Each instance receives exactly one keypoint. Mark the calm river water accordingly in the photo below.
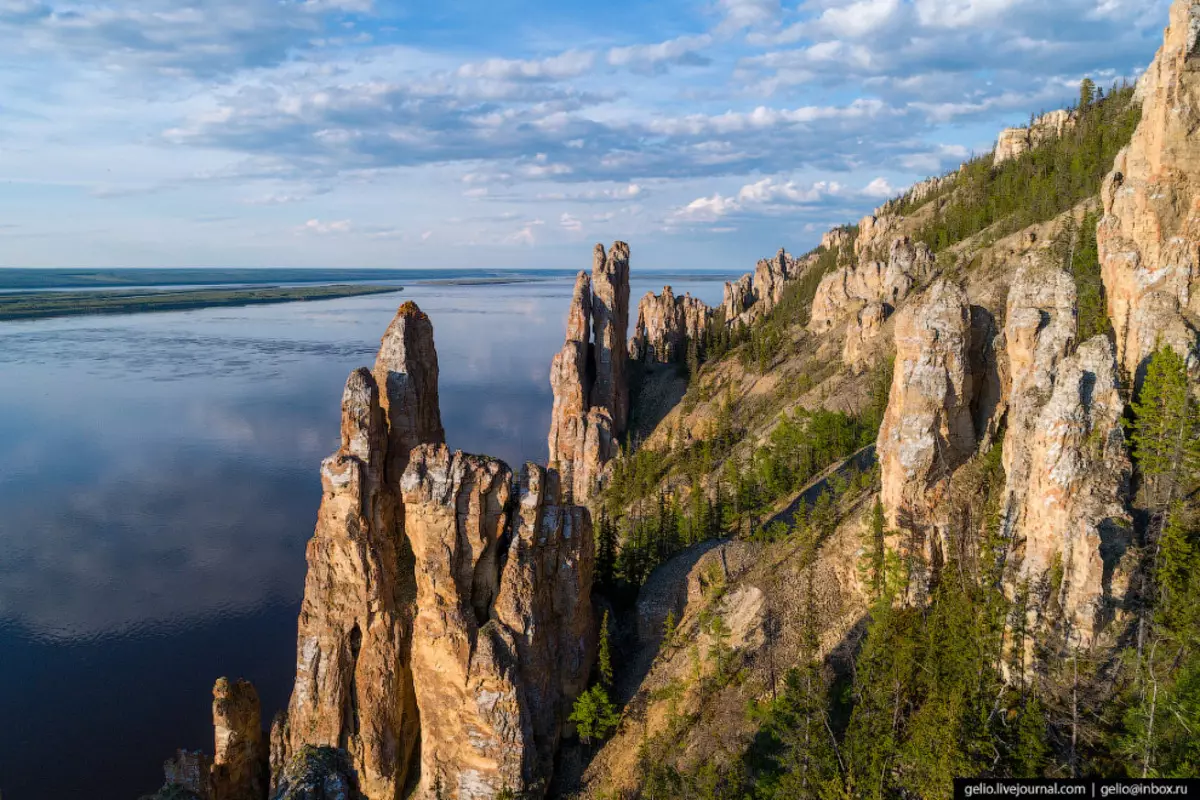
(158, 482)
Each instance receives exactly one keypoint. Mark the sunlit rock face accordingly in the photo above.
(1072, 516)
(929, 429)
(665, 325)
(856, 352)
(353, 689)
(610, 325)
(589, 376)
(851, 286)
(1015, 142)
(1149, 236)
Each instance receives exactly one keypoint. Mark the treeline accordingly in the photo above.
(1041, 183)
(977, 683)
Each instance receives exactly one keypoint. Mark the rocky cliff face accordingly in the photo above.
(929, 428)
(590, 378)
(431, 610)
(1149, 237)
(1015, 142)
(738, 298)
(1072, 515)
(610, 326)
(868, 323)
(238, 770)
(475, 740)
(851, 286)
(353, 688)
(754, 295)
(665, 325)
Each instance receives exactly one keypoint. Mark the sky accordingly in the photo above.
(498, 133)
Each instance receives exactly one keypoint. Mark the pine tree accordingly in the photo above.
(594, 715)
(604, 659)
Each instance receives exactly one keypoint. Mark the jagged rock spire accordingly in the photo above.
(610, 326)
(590, 379)
(1149, 238)
(406, 371)
(353, 688)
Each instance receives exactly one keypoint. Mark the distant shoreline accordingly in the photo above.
(46, 305)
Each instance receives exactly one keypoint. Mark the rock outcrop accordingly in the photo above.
(353, 689)
(545, 604)
(929, 428)
(1149, 237)
(406, 372)
(1015, 142)
(318, 773)
(770, 277)
(866, 328)
(738, 298)
(666, 324)
(755, 294)
(503, 639)
(610, 326)
(851, 286)
(1071, 515)
(476, 738)
(1039, 332)
(239, 766)
(589, 378)
(238, 770)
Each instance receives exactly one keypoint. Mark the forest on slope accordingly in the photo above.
(984, 676)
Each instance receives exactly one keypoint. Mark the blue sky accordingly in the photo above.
(497, 133)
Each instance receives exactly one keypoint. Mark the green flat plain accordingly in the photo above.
(40, 305)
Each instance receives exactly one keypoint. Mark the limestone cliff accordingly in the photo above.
(929, 428)
(1072, 514)
(666, 324)
(738, 297)
(755, 294)
(353, 689)
(856, 352)
(589, 376)
(476, 735)
(869, 280)
(1015, 142)
(238, 770)
(1149, 237)
(610, 326)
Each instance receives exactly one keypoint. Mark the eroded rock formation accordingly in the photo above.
(238, 770)
(239, 767)
(1071, 515)
(476, 735)
(738, 298)
(1149, 237)
(666, 324)
(610, 326)
(851, 286)
(318, 773)
(353, 688)
(929, 428)
(1015, 142)
(866, 328)
(589, 379)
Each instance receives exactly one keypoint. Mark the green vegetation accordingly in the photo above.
(594, 714)
(976, 683)
(39, 305)
(1076, 249)
(1040, 184)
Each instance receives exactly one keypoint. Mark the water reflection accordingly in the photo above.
(158, 481)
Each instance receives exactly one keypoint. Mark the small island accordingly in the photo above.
(41, 305)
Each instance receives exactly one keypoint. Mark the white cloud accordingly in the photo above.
(677, 50)
(570, 64)
(571, 223)
(320, 228)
